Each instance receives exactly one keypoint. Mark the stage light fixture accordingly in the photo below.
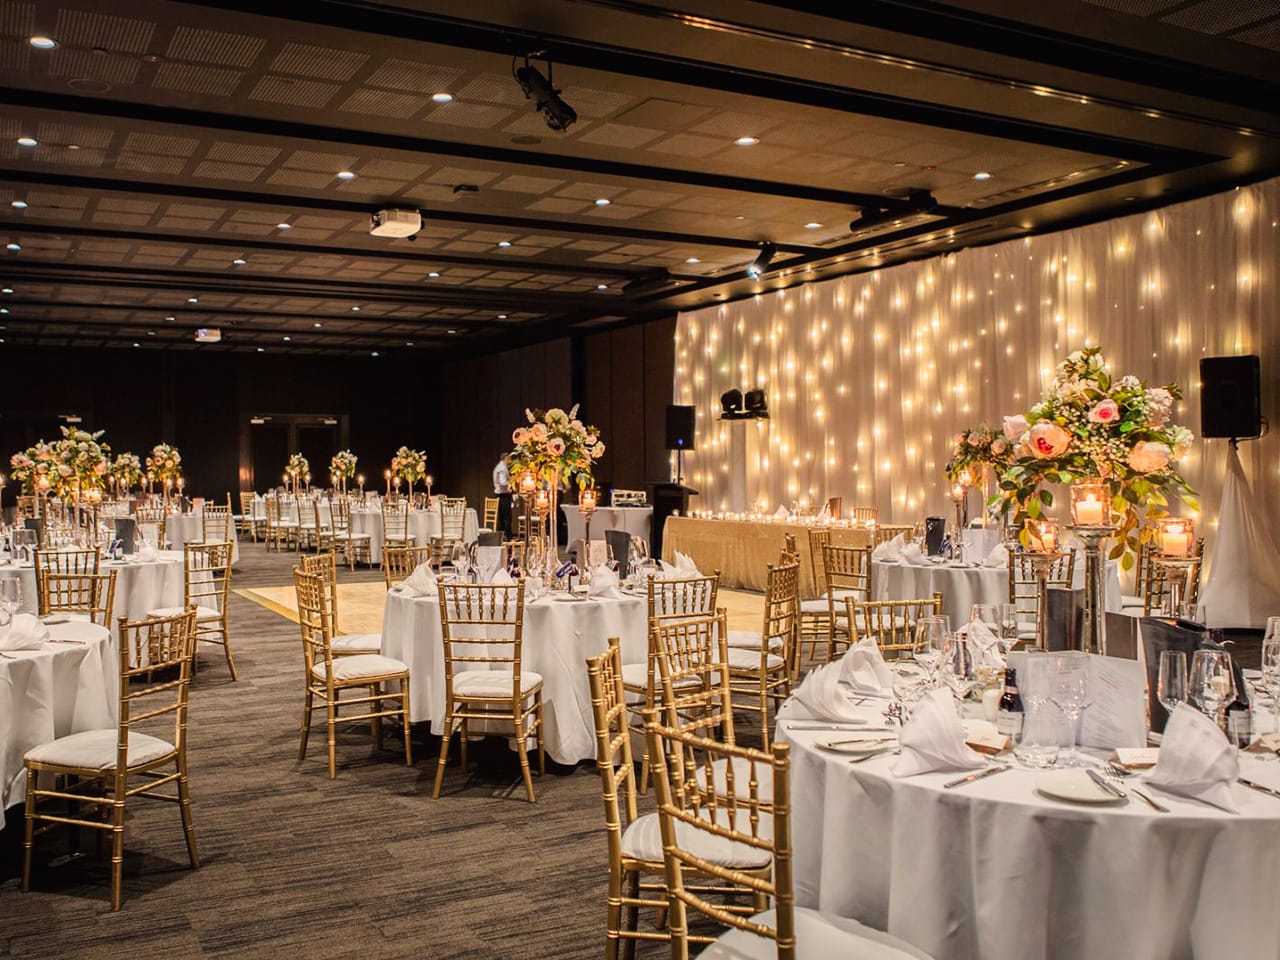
(761, 262)
(756, 404)
(731, 405)
(558, 114)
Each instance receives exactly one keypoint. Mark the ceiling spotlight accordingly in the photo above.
(18, 204)
(193, 299)
(284, 226)
(813, 225)
(346, 175)
(432, 275)
(317, 324)
(262, 350)
(137, 344)
(239, 261)
(747, 141)
(602, 286)
(442, 97)
(42, 43)
(4, 311)
(374, 354)
(170, 319)
(693, 260)
(504, 243)
(558, 114)
(761, 262)
(27, 141)
(453, 331)
(286, 339)
(7, 290)
(603, 202)
(982, 175)
(355, 309)
(15, 247)
(502, 316)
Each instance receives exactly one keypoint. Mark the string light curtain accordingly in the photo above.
(869, 377)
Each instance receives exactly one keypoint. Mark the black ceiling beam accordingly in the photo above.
(361, 16)
(620, 274)
(126, 112)
(189, 191)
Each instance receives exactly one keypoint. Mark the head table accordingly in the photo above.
(69, 685)
(559, 636)
(995, 871)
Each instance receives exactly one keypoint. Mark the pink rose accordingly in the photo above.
(1148, 457)
(1104, 411)
(520, 436)
(998, 447)
(1048, 440)
(555, 446)
(1014, 427)
(538, 432)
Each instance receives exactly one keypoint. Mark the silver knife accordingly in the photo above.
(989, 772)
(1106, 785)
(1259, 787)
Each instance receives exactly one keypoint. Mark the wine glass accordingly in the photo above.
(1271, 675)
(910, 681)
(10, 597)
(1171, 682)
(932, 634)
(1069, 689)
(1008, 625)
(461, 560)
(1037, 742)
(959, 667)
(1213, 682)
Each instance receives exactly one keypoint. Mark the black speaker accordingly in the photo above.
(680, 427)
(1230, 397)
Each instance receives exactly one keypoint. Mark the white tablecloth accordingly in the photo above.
(994, 871)
(962, 587)
(185, 528)
(559, 636)
(423, 524)
(60, 689)
(637, 521)
(140, 586)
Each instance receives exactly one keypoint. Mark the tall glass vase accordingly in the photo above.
(551, 555)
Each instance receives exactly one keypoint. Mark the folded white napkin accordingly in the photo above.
(933, 739)
(685, 564)
(824, 697)
(502, 577)
(863, 669)
(913, 555)
(25, 632)
(488, 563)
(604, 583)
(781, 513)
(146, 552)
(998, 557)
(1196, 760)
(890, 550)
(420, 583)
(982, 639)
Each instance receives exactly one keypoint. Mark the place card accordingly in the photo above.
(1267, 743)
(1136, 758)
(1116, 714)
(982, 736)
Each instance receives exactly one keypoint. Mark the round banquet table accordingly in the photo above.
(637, 521)
(423, 524)
(184, 528)
(963, 586)
(993, 870)
(62, 688)
(141, 585)
(559, 636)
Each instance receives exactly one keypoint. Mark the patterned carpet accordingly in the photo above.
(364, 866)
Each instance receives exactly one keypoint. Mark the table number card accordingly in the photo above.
(1115, 716)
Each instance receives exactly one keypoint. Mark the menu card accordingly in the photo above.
(1115, 715)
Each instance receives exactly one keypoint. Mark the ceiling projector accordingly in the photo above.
(395, 223)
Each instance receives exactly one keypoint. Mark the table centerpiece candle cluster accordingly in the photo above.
(342, 468)
(163, 467)
(408, 465)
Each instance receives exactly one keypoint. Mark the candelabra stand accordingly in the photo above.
(1093, 638)
(1043, 561)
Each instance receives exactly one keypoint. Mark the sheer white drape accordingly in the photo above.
(869, 377)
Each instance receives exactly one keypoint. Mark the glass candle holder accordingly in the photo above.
(587, 500)
(1090, 503)
(1043, 535)
(1175, 535)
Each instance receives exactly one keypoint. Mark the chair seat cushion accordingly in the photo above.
(96, 750)
(818, 936)
(348, 535)
(743, 659)
(361, 665)
(1129, 600)
(493, 684)
(635, 676)
(750, 639)
(357, 643)
(643, 840)
(399, 538)
(202, 612)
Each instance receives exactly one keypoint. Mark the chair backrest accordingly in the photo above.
(692, 656)
(717, 790)
(513, 552)
(866, 514)
(26, 507)
(206, 574)
(847, 570)
(482, 625)
(325, 565)
(1161, 577)
(891, 622)
(246, 502)
(395, 519)
(398, 561)
(490, 513)
(884, 532)
(453, 515)
(789, 549)
(819, 537)
(149, 692)
(315, 620)
(65, 561)
(1024, 588)
(682, 597)
(781, 606)
(613, 745)
(339, 513)
(216, 524)
(91, 593)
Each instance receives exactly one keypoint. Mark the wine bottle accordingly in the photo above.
(1240, 716)
(1009, 712)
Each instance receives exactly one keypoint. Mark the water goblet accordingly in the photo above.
(1271, 676)
(959, 667)
(1212, 682)
(1171, 682)
(931, 638)
(1036, 745)
(1070, 687)
(10, 597)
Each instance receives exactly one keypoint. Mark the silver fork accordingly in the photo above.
(1115, 771)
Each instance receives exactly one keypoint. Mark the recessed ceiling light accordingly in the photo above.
(151, 333)
(18, 204)
(284, 226)
(42, 43)
(27, 141)
(693, 260)
(7, 290)
(504, 243)
(346, 175)
(1, 339)
(15, 247)
(286, 339)
(432, 275)
(502, 316)
(355, 309)
(747, 141)
(408, 343)
(137, 344)
(982, 175)
(603, 201)
(193, 299)
(442, 97)
(317, 324)
(602, 286)
(262, 350)
(813, 225)
(73, 146)
(453, 331)
(374, 354)
(239, 261)
(170, 319)
(4, 311)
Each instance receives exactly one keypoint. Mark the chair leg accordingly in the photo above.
(29, 830)
(542, 747)
(184, 805)
(226, 647)
(523, 750)
(331, 715)
(444, 753)
(404, 714)
(305, 727)
(464, 741)
(613, 925)
(377, 721)
(117, 844)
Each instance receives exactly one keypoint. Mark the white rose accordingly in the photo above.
(1015, 427)
(1148, 457)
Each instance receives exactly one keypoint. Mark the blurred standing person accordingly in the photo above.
(502, 489)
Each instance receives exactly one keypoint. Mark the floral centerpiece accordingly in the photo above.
(127, 469)
(164, 464)
(556, 447)
(79, 461)
(28, 466)
(1091, 425)
(976, 449)
(409, 465)
(343, 465)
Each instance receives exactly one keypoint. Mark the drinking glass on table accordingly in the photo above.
(461, 559)
(1069, 690)
(932, 634)
(10, 597)
(1171, 681)
(1213, 682)
(1270, 682)
(959, 667)
(1037, 742)
(910, 681)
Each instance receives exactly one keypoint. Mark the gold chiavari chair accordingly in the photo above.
(490, 521)
(206, 585)
(668, 598)
(26, 507)
(482, 625)
(110, 767)
(65, 561)
(328, 677)
(513, 552)
(760, 664)
(749, 828)
(815, 612)
(1141, 573)
(281, 527)
(325, 565)
(308, 529)
(848, 574)
(866, 514)
(395, 524)
(1164, 577)
(453, 514)
(216, 523)
(884, 532)
(82, 595)
(790, 552)
(245, 522)
(355, 546)
(891, 622)
(1024, 588)
(150, 523)
(399, 562)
